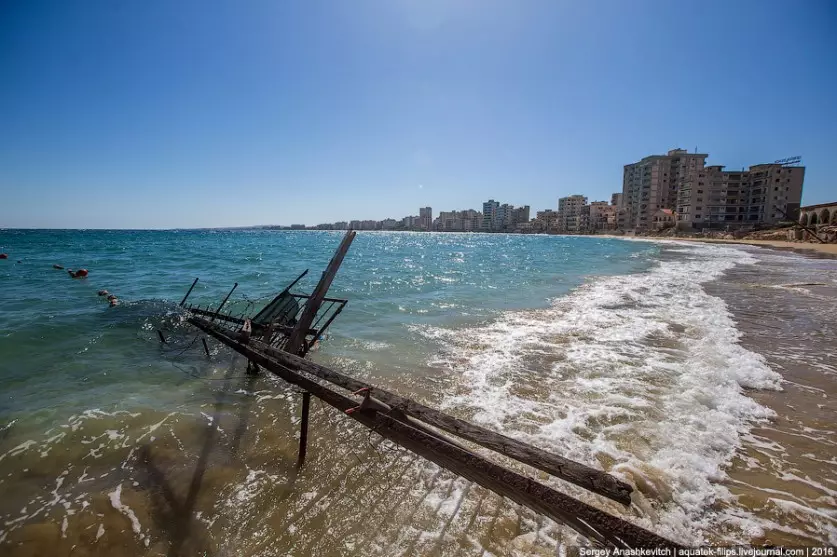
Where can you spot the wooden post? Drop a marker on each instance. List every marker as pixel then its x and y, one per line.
pixel 296 341
pixel 303 429
pixel 160 334
pixel 183 301
pixel 205 347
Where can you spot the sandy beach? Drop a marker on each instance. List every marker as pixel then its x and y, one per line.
pixel 829 249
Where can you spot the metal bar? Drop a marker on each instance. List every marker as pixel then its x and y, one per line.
pixel 283 292
pixel 324 327
pixel 217 311
pixel 303 429
pixel 205 347
pixel 322 315
pixel 160 334
pixel 183 301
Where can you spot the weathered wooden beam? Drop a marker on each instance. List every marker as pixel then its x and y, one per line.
pixel 303 429
pixel 586 519
pixel 589 478
pixel 296 342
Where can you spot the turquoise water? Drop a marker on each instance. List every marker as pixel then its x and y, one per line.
pixel 610 352
pixel 63 350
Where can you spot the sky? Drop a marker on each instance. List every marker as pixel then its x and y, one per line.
pixel 160 114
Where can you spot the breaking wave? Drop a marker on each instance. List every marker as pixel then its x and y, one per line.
pixel 641 375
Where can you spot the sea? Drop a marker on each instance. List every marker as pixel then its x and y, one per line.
pixel 704 375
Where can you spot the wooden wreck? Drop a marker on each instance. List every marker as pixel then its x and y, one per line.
pixel 278 337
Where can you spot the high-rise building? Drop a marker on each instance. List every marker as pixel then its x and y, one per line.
pixel 652 184
pixel 520 216
pixel 546 221
pixel 718 198
pixel 489 214
pixel 570 210
pixel 426 217
pixel 616 199
pixel 602 216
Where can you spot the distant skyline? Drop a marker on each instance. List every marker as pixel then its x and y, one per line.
pixel 221 114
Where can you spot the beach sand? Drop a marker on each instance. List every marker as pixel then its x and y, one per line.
pixel 828 249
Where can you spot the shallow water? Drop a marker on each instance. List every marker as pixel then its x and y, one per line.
pixel 634 357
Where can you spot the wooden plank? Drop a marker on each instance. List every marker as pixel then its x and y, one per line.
pixel 587 520
pixel 589 478
pixel 303 429
pixel 296 342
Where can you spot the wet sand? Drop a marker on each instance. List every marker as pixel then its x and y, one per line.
pixel 787 471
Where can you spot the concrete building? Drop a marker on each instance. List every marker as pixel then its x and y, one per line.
pixel 388 224
pixel 764 194
pixel 489 214
pixel 411 222
pixel 653 183
pixel 602 216
pixel 426 218
pixel 354 225
pixel 824 214
pixel 546 221
pixel 520 216
pixel 616 199
pixel 570 213
pixel 663 218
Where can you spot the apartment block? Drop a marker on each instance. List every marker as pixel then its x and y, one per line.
pixel 489 214
pixel 426 218
pixel 653 183
pixel 571 213
pixel 602 216
pixel 546 221
pixel 720 199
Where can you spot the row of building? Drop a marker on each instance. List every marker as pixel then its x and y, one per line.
pixel 695 196
pixel 660 191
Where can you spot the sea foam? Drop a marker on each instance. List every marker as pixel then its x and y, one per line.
pixel 642 375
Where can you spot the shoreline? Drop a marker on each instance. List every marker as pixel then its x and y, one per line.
pixel 806 248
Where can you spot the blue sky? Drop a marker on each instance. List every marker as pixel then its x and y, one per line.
pixel 163 114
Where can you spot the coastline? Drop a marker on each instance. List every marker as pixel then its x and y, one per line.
pixel 806 248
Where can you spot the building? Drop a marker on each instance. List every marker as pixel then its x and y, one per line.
pixel 662 218
pixel 764 194
pixel 602 216
pixel 388 224
pixel 520 216
pixel 545 221
pixel 354 225
pixel 616 200
pixel 570 211
pixel 653 183
pixel 426 218
pixel 489 214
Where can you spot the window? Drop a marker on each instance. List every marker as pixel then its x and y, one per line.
pixel 697 216
pixel 698 208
